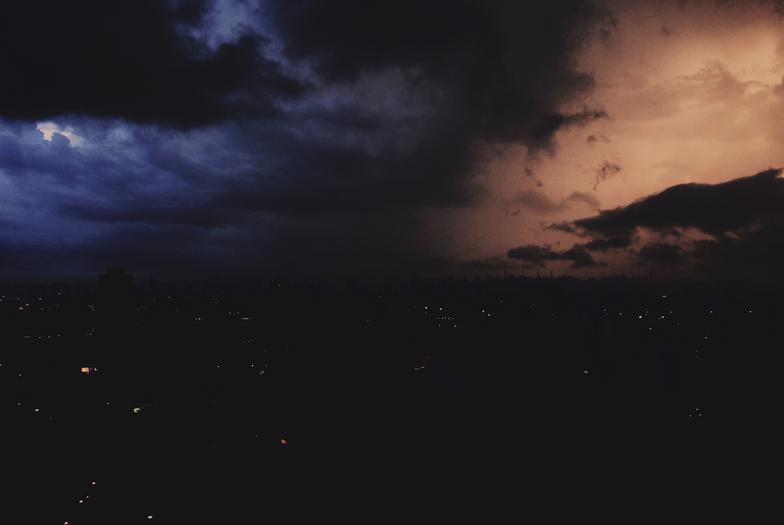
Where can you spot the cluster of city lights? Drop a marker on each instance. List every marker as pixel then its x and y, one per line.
pixel 422 366
pixel 83 500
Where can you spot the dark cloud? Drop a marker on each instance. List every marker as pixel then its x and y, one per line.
pixel 606 171
pixel 134 60
pixel 759 249
pixel 130 182
pixel 508 65
pixel 661 254
pixel 468 72
pixel 744 219
pixel 713 209
pixel 151 212
pixel 302 175
pixel 580 257
pixel 532 253
pixel 157 202
pixel 562 227
pixel 542 255
pixel 199 153
pixel 603 245
pixel 463 75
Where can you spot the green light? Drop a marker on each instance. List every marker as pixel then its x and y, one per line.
pixel 135 410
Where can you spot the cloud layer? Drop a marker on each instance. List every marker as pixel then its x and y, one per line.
pixel 318 138
pixel 731 228
pixel 247 134
pixel 136 61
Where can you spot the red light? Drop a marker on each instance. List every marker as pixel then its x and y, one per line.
pixel 283 442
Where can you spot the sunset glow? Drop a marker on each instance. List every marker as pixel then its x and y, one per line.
pixel 390 161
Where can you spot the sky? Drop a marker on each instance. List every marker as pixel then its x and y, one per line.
pixel 356 140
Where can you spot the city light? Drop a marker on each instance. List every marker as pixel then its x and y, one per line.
pixel 607 345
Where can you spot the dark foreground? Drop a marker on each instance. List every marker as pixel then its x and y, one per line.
pixel 549 413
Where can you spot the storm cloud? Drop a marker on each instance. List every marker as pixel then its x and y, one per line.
pixel 578 255
pixel 251 136
pixel 248 126
pixel 508 65
pixel 741 221
pixel 715 209
pixel 132 60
